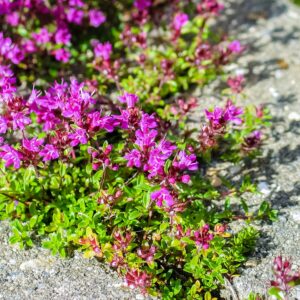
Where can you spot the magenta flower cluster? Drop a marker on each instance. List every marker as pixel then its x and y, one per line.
pixel 7 84
pixel 137 279
pixel 142 4
pixel 219 117
pixel 10 51
pixel 63 109
pixel 210 7
pixel 284 276
pixel 202 237
pixel 60 16
pixel 151 154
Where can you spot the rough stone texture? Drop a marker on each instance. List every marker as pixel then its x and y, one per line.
pixel 271 29
pixel 35 274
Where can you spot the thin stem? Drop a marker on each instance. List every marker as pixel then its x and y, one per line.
pixel 6 179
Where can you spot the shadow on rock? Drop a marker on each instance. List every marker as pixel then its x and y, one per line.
pixel 242 14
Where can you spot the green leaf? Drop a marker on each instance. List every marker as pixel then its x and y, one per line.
pixel 89 169
pixel 176 287
pixel 134 214
pixel 33 221
pixel 168 164
pixel 62 169
pixel 244 206
pixel 10 207
pixel 276 292
pixel 15 239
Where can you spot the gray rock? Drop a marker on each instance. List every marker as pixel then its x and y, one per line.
pixel 279 175
pixel 294 116
pixel 295 214
pixel 264 188
pixel 36 274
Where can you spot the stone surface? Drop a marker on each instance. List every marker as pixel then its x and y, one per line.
pixel 35 274
pixel 271 29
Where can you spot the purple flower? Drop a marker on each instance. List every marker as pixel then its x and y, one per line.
pixel 145 139
pixel 203 237
pixel 15 55
pixel 147 122
pixel 5 44
pixel 147 253
pixel 19 121
pixel 13 19
pixel 106 122
pixel 42 37
pixel 284 276
pixel 252 141
pixel 3 125
pixel 33 96
pixel 10 51
pixel 186 162
pixel 28 46
pixel 215 116
pixel 129 99
pixel 49 152
pixel 10 156
pixel 102 50
pixel 185 178
pixel 256 135
pixel 75 16
pixel 162 195
pixel 54 98
pixel 235 83
pixel 123 119
pixel 94 119
pixel 235 47
pixel 232 112
pixel 179 21
pixel 210 6
pixel 166 148
pixel 155 163
pixel 109 123
pixel 5 7
pixel 142 4
pixel 96 17
pixel 62 55
pixel 62 36
pixel 72 109
pixel 7 81
pixel 49 120
pixel 137 279
pixel 78 137
pixel 32 145
pixel 76 3
pixel 158 157
pixel 134 158
pixel 219 117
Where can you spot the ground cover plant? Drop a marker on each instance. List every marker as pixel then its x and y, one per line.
pixel 96 151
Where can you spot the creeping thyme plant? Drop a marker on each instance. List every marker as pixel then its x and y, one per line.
pixel 96 152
